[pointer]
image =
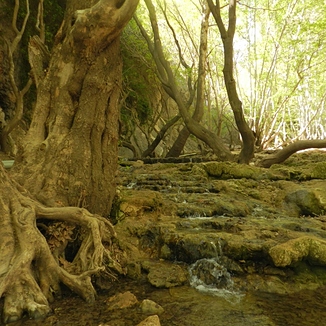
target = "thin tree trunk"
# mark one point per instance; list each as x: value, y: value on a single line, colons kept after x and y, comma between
x: 170, y: 86
x: 227, y: 35
x: 160, y: 136
x: 183, y: 136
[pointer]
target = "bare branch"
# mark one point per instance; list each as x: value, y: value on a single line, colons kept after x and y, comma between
x: 19, y: 33
x: 182, y: 59
x: 40, y: 21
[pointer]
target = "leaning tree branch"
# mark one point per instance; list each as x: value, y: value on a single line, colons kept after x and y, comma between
x: 286, y: 152
x: 160, y: 136
x: 172, y: 89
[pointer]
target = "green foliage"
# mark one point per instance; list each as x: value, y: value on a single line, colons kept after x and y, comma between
x: 282, y: 51
x: 139, y: 79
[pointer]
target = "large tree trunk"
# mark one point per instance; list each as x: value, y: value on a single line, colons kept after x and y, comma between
x: 69, y: 158
x: 70, y: 151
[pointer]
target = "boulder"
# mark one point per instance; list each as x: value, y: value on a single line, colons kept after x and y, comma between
x: 165, y: 274
x: 295, y: 250
x: 304, y: 203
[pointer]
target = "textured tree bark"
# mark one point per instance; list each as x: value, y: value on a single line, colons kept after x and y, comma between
x: 71, y: 147
x: 69, y: 158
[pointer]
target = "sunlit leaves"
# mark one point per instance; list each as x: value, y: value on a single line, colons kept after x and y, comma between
x: 280, y: 62
x: 283, y: 60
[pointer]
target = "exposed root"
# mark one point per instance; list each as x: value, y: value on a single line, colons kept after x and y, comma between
x: 97, y: 229
x: 30, y: 275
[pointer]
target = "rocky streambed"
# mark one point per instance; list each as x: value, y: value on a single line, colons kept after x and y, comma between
x: 226, y: 229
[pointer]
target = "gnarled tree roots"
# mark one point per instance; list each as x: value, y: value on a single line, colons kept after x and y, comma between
x: 30, y: 275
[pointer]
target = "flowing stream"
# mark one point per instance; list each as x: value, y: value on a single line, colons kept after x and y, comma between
x: 211, y: 300
x: 209, y: 276
x: 216, y: 304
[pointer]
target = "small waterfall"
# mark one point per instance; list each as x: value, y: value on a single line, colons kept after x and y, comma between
x: 209, y: 276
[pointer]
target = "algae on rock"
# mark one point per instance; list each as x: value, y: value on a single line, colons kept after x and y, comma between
x: 295, y: 250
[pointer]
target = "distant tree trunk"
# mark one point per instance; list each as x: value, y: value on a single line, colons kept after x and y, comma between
x: 227, y: 35
x: 70, y: 152
x: 160, y: 136
x: 70, y: 157
x: 129, y: 146
x: 179, y: 143
x: 170, y: 86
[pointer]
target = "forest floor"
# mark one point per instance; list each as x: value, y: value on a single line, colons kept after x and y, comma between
x: 254, y: 231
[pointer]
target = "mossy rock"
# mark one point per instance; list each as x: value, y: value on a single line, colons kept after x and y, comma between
x: 295, y: 250
x: 304, y: 203
x: 228, y: 170
x: 319, y: 170
x: 164, y: 274
x: 231, y: 170
x: 190, y: 247
x: 292, y: 173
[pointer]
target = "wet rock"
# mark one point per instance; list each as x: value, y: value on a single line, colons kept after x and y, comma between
x: 215, y: 207
x: 231, y: 265
x: 193, y: 246
x: 150, y: 321
x: 304, y: 203
x: 209, y: 272
x: 165, y: 252
x: 246, y: 209
x: 268, y: 284
x: 295, y: 250
x: 150, y: 307
x: 165, y: 274
x: 122, y: 300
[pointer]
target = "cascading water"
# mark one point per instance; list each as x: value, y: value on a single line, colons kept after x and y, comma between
x: 209, y: 276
